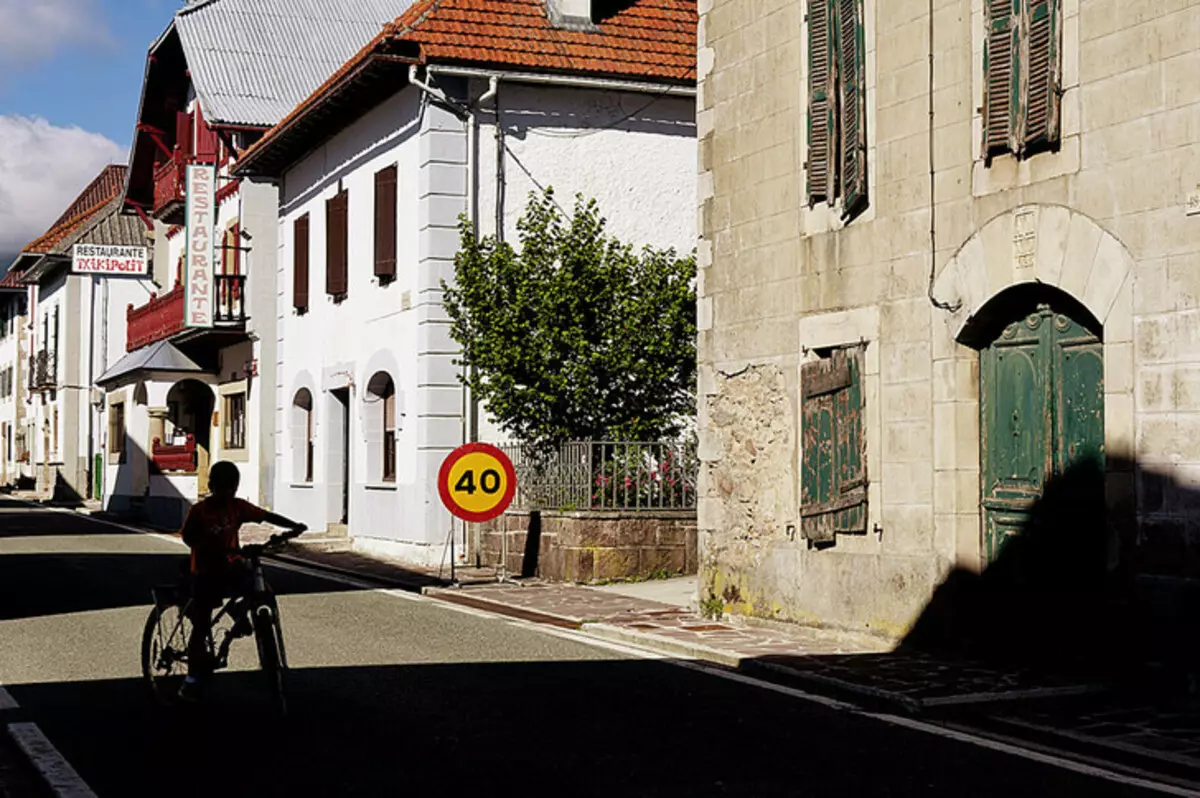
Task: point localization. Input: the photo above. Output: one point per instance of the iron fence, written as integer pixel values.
(606, 475)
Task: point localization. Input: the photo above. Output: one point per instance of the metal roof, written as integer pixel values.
(253, 61)
(158, 356)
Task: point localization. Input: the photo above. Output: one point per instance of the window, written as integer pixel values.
(300, 264)
(379, 424)
(834, 469)
(837, 105)
(234, 421)
(116, 430)
(302, 436)
(337, 245)
(385, 225)
(1022, 76)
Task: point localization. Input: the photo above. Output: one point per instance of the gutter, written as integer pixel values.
(576, 81)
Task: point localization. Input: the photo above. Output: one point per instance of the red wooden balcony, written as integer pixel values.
(159, 318)
(169, 184)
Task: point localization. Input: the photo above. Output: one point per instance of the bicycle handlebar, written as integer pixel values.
(255, 550)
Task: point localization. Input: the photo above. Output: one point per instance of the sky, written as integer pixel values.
(70, 79)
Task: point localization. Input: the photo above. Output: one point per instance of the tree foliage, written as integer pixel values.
(576, 336)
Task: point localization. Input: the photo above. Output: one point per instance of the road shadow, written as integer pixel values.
(578, 728)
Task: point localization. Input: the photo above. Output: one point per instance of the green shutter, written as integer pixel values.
(1041, 65)
(821, 83)
(852, 71)
(1001, 76)
(833, 470)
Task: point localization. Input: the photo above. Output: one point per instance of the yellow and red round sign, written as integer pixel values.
(477, 482)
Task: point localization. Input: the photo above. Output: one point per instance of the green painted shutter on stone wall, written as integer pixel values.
(1040, 66)
(822, 82)
(833, 469)
(852, 70)
(1001, 67)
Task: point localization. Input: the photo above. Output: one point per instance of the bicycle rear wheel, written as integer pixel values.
(164, 651)
(268, 637)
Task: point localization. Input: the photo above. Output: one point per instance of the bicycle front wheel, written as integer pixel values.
(164, 651)
(267, 636)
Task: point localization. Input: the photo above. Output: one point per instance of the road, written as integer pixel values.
(399, 695)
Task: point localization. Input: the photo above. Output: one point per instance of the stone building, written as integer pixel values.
(950, 252)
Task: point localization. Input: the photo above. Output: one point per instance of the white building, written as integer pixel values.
(223, 72)
(72, 336)
(374, 170)
(14, 353)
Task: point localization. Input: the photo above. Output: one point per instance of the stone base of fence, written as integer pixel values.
(592, 547)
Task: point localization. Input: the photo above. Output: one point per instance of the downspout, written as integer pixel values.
(937, 303)
(91, 464)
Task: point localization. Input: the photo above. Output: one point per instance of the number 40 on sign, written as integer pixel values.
(477, 482)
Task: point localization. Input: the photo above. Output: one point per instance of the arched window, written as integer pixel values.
(380, 426)
(302, 436)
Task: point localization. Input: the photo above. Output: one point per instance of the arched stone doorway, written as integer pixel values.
(1034, 348)
(189, 412)
(1041, 402)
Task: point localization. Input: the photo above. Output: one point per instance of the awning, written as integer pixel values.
(158, 356)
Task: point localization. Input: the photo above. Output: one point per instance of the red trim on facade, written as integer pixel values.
(174, 230)
(230, 189)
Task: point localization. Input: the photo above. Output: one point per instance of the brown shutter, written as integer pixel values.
(206, 138)
(385, 224)
(300, 264)
(1041, 66)
(1000, 66)
(851, 71)
(821, 82)
(336, 245)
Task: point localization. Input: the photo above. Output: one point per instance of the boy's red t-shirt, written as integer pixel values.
(211, 529)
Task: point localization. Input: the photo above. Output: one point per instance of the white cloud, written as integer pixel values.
(42, 169)
(33, 31)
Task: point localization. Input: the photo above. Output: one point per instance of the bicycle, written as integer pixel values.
(169, 628)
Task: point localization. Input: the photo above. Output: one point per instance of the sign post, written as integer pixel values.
(477, 483)
(201, 245)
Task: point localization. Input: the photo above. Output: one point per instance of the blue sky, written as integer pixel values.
(70, 78)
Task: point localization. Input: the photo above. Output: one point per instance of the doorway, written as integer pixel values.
(1041, 409)
(342, 456)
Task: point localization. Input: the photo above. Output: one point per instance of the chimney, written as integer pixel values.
(570, 14)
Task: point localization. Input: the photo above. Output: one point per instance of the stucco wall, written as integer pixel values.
(1088, 219)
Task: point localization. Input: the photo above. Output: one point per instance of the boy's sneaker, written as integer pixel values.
(189, 691)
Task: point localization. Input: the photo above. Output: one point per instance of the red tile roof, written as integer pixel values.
(107, 185)
(104, 189)
(12, 279)
(647, 40)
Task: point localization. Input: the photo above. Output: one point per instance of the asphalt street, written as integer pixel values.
(397, 695)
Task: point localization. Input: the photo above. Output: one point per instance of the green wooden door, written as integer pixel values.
(1042, 408)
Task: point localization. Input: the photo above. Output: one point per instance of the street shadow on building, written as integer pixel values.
(1082, 595)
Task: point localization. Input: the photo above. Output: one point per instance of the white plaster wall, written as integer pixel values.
(14, 355)
(334, 345)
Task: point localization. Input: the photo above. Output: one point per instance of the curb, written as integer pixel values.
(537, 616)
(619, 634)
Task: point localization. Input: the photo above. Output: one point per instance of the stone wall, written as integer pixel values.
(594, 546)
(1104, 218)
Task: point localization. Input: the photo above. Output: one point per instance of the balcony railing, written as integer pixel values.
(43, 371)
(159, 318)
(231, 299)
(175, 457)
(169, 186)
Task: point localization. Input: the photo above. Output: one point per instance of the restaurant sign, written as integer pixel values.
(201, 245)
(99, 259)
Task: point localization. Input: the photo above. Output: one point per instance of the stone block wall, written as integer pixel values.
(594, 547)
(1104, 217)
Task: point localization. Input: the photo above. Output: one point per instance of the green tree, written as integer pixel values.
(576, 336)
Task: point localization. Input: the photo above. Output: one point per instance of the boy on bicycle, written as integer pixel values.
(218, 571)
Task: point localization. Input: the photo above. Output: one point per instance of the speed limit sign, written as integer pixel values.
(477, 482)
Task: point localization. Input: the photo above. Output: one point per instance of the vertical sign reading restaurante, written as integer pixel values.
(201, 245)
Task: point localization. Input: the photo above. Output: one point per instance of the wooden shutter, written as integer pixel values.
(300, 264)
(183, 134)
(385, 224)
(834, 474)
(821, 83)
(1001, 76)
(336, 245)
(207, 143)
(1041, 65)
(851, 71)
